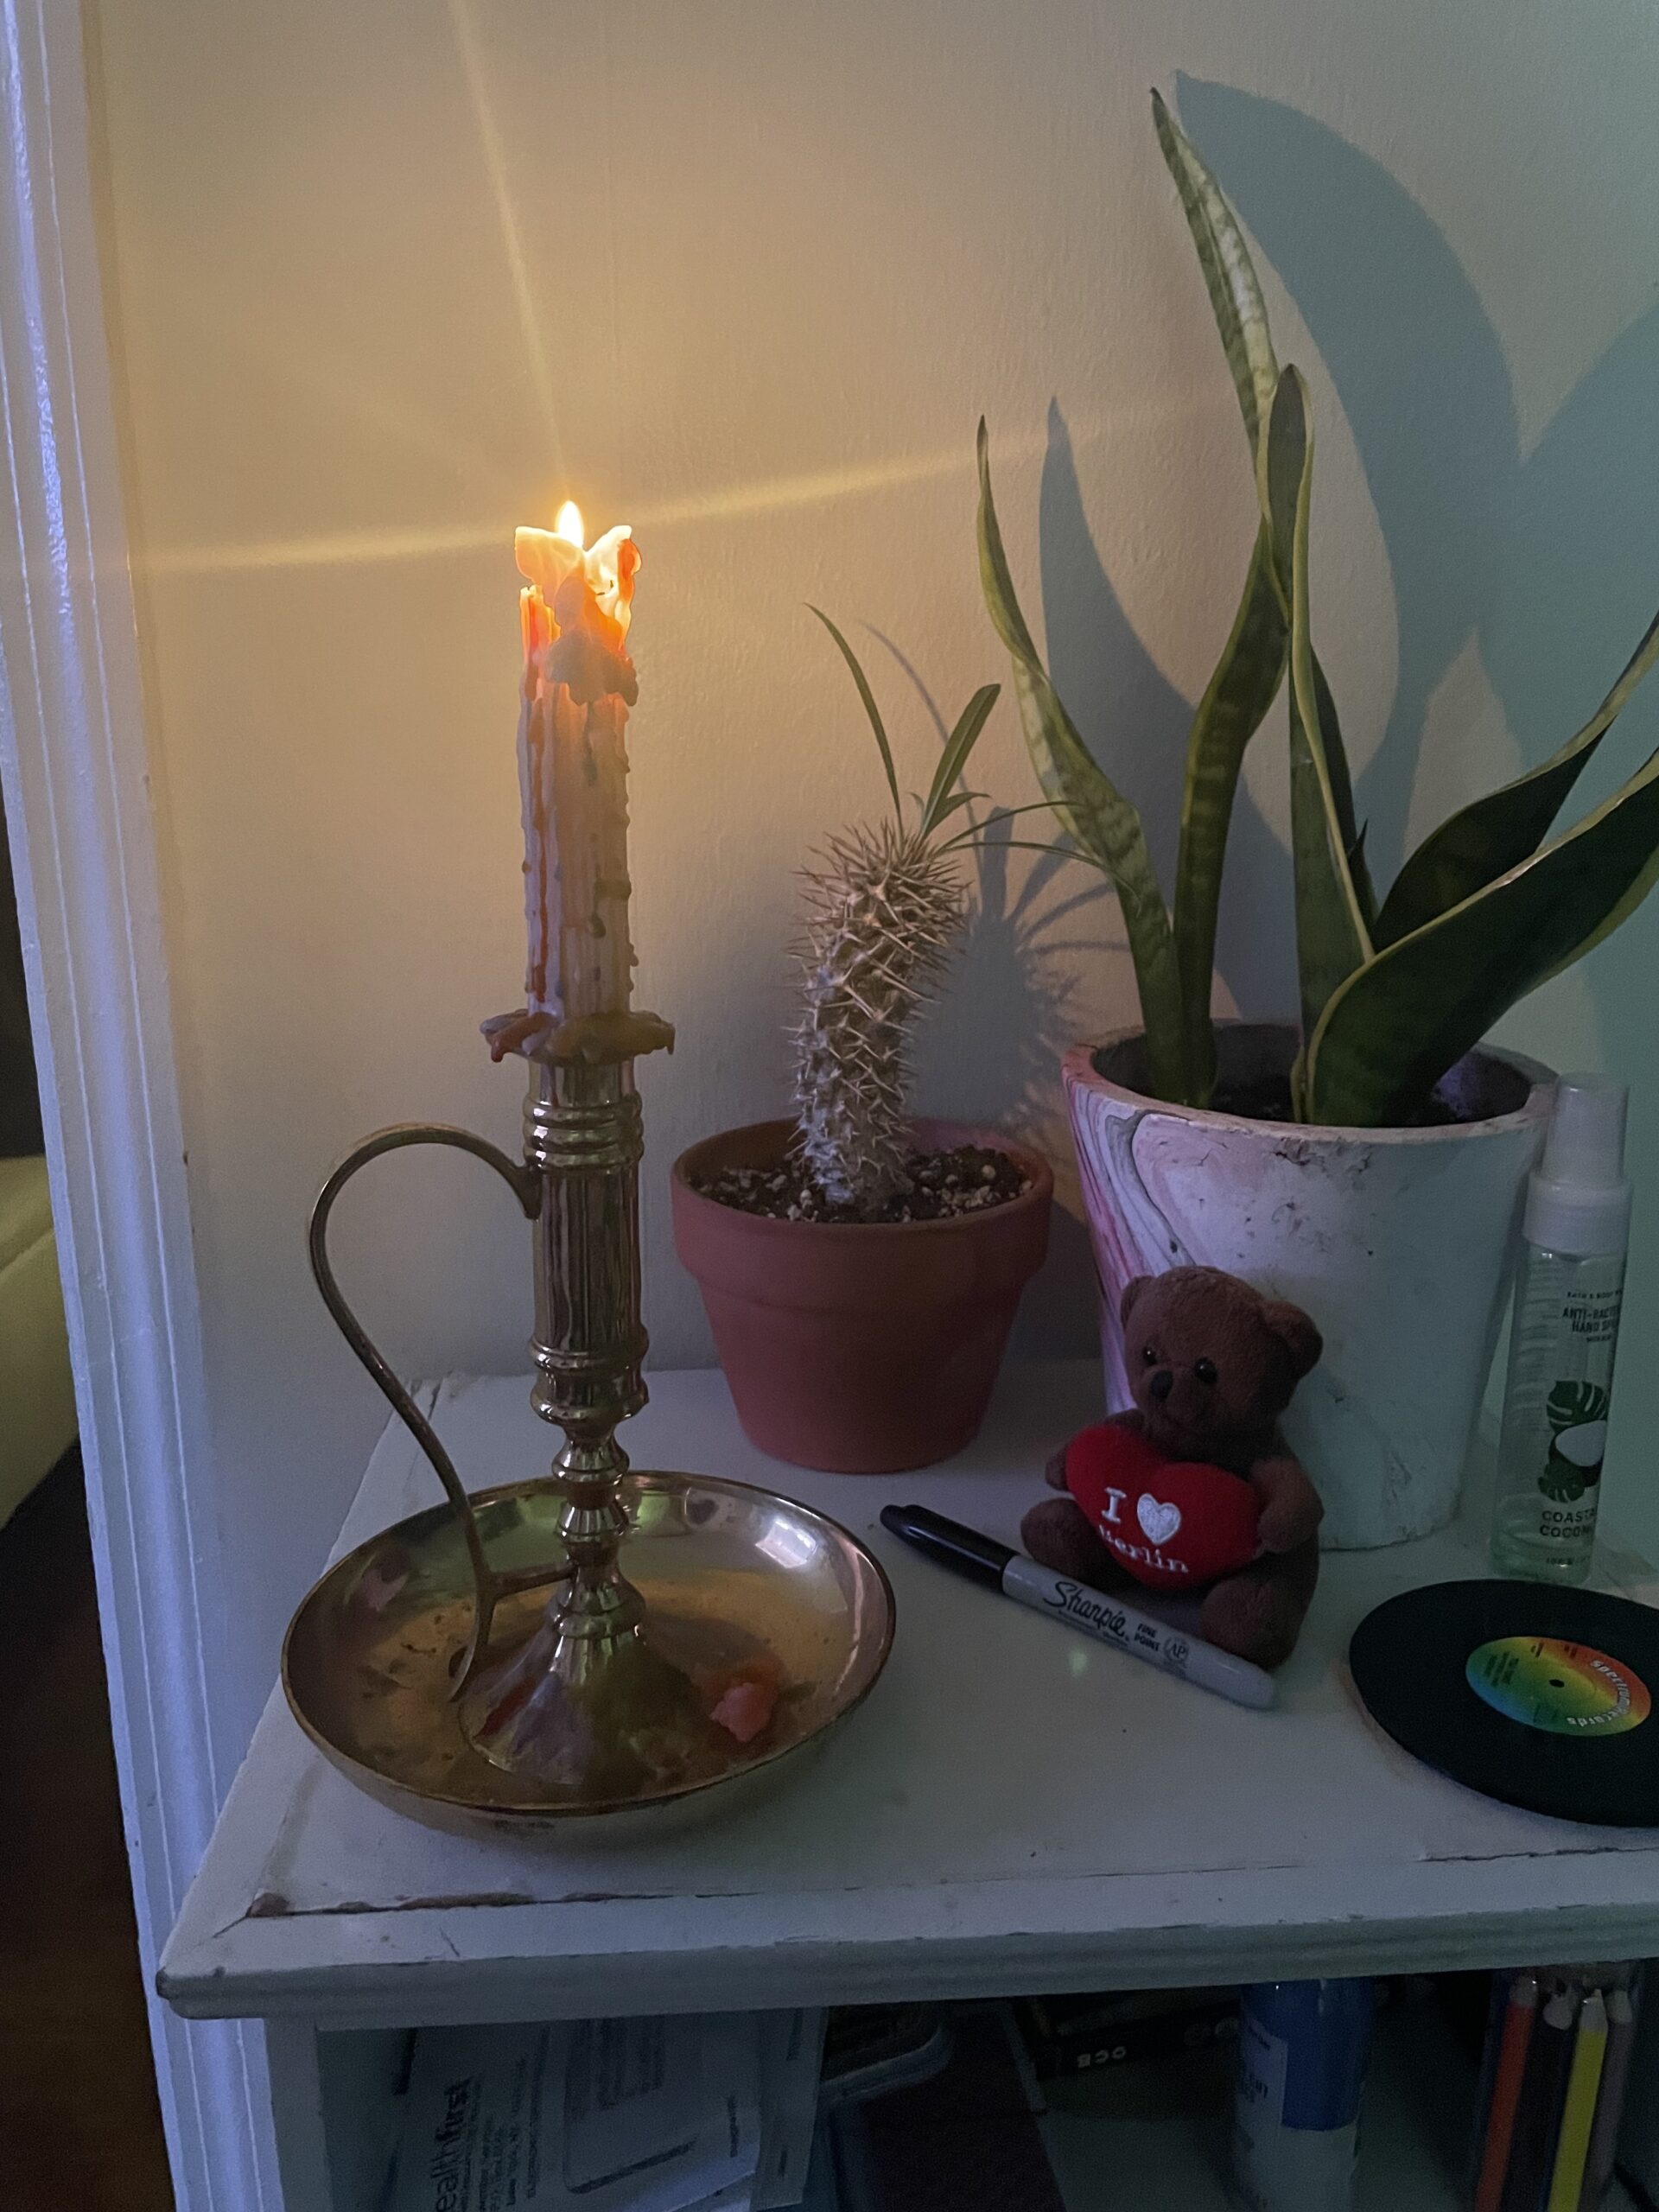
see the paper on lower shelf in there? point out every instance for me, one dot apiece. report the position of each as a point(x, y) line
point(790, 2058)
point(709, 2113)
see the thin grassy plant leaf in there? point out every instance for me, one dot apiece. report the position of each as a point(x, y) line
point(1091, 808)
point(1390, 1032)
point(953, 804)
point(992, 820)
point(870, 708)
point(1494, 833)
point(953, 758)
point(1029, 845)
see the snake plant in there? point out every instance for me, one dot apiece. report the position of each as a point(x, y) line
point(1393, 992)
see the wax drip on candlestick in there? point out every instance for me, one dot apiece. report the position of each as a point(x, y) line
point(578, 686)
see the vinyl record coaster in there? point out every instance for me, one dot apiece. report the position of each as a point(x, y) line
point(1540, 1697)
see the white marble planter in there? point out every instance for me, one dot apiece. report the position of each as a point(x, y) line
point(1398, 1242)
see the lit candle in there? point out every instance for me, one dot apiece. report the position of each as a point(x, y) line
point(572, 771)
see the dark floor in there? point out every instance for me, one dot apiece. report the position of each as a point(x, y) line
point(79, 2119)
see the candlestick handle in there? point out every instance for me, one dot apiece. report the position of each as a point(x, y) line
point(526, 1184)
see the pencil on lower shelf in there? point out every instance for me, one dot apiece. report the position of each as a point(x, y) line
point(1579, 2108)
point(1514, 2036)
point(1543, 2092)
point(1610, 2103)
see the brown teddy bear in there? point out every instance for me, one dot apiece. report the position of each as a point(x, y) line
point(1195, 1489)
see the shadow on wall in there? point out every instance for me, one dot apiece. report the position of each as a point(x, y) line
point(1551, 562)
point(1550, 565)
point(1014, 981)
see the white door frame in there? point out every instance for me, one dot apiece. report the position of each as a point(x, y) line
point(72, 768)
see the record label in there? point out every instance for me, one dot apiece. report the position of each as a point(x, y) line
point(1535, 1696)
point(1566, 1689)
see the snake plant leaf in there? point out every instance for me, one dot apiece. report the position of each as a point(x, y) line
point(1359, 869)
point(1240, 317)
point(1327, 721)
point(1229, 274)
point(1100, 821)
point(953, 758)
point(1616, 915)
point(1335, 753)
point(1244, 685)
point(1493, 832)
point(1390, 1032)
point(1342, 797)
point(1331, 937)
point(870, 708)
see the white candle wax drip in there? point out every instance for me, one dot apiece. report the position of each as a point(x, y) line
point(579, 685)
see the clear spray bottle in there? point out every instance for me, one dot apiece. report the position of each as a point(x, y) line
point(1563, 1336)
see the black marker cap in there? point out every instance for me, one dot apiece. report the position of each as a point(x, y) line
point(981, 1558)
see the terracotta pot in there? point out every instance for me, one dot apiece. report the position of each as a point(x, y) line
point(1400, 1242)
point(860, 1348)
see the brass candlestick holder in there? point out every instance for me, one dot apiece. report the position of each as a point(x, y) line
point(594, 1640)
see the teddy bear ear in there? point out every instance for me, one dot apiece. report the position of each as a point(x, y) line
point(1132, 1290)
point(1296, 1332)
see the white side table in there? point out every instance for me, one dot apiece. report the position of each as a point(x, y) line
point(1014, 1809)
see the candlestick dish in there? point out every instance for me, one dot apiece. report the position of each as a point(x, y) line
point(595, 1641)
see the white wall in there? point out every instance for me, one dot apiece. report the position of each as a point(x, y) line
point(391, 275)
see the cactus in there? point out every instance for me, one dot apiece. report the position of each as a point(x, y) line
point(881, 906)
point(880, 910)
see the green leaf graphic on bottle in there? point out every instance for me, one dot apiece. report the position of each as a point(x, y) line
point(1576, 1412)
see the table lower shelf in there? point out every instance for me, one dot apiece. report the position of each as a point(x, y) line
point(1155, 2137)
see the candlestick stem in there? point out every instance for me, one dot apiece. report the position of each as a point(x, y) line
point(547, 1708)
point(584, 1136)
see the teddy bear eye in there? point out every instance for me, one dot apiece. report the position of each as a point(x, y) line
point(1205, 1369)
point(1149, 1357)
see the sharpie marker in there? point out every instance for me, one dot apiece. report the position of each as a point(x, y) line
point(982, 1559)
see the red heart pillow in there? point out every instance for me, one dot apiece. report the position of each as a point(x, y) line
point(1174, 1524)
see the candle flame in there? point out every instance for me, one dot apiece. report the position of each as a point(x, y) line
point(552, 559)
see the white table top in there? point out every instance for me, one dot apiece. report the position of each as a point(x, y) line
point(1013, 1809)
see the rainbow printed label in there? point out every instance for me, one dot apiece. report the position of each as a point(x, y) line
point(1565, 1689)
